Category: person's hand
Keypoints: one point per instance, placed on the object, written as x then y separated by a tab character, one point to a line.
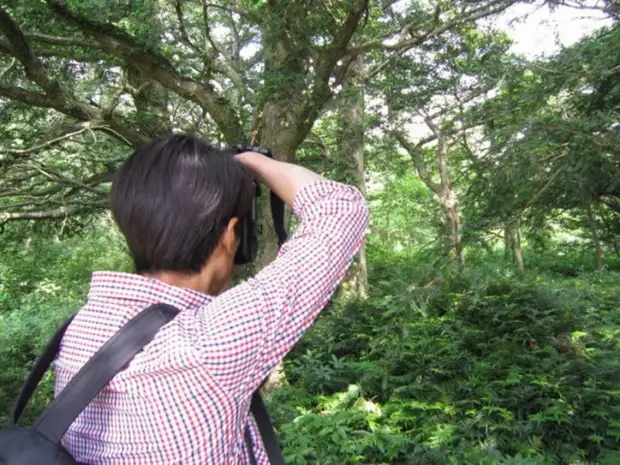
251	160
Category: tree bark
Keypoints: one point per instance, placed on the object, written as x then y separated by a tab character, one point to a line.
512	244
287	116
518	253
595	239
450	205
289	113
611	234
507	245
351	149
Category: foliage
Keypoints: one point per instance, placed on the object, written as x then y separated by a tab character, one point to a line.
99	80
553	138
42	281
473	369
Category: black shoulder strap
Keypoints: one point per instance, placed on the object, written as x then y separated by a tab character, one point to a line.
266	430
101	368
95	374
39	369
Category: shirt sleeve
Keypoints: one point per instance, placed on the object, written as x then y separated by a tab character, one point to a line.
244	333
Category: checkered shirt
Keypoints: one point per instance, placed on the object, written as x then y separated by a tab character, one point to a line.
185	398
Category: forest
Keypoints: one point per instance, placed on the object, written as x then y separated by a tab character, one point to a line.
480	322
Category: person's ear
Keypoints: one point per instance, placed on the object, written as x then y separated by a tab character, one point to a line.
229	238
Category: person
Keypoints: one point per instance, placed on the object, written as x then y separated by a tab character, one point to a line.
185	398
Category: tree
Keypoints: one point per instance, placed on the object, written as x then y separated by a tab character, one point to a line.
351	144
235	71
438	85
553	142
443	189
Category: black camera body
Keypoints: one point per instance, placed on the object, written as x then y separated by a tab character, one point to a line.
250	227
249	231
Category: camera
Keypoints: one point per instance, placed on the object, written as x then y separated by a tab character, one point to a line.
250	227
249	230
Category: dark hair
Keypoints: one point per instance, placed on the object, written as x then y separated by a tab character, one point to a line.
173	198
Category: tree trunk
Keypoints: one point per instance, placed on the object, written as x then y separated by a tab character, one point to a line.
445	192
287	116
595	239
612	235
278	131
518	253
512	244
281	137
351	149
450	205
507	245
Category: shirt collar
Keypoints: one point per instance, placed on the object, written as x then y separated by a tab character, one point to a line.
131	289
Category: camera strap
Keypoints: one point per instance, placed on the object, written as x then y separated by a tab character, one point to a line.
277	214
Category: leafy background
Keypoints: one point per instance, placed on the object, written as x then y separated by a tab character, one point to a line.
480	323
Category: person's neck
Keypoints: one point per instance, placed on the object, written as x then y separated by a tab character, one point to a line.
202	282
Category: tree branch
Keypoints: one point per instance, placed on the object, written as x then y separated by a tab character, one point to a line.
405	45
184	35
63	41
25	96
62	212
157	67
84	128
540	192
418	162
326	64
7	68
80	111
406	29
54	176
441	150
228	62
55	95
489	9
20	49
30	190
63	50
231	9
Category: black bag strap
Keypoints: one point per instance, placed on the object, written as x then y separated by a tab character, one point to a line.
101	368
277	214
266	430
94	375
38	370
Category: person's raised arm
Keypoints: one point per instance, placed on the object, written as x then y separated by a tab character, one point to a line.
246	331
285	179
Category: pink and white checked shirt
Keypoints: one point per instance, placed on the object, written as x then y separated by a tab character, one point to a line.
185	398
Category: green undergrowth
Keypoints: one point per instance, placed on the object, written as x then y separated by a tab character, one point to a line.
481	367
42	281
